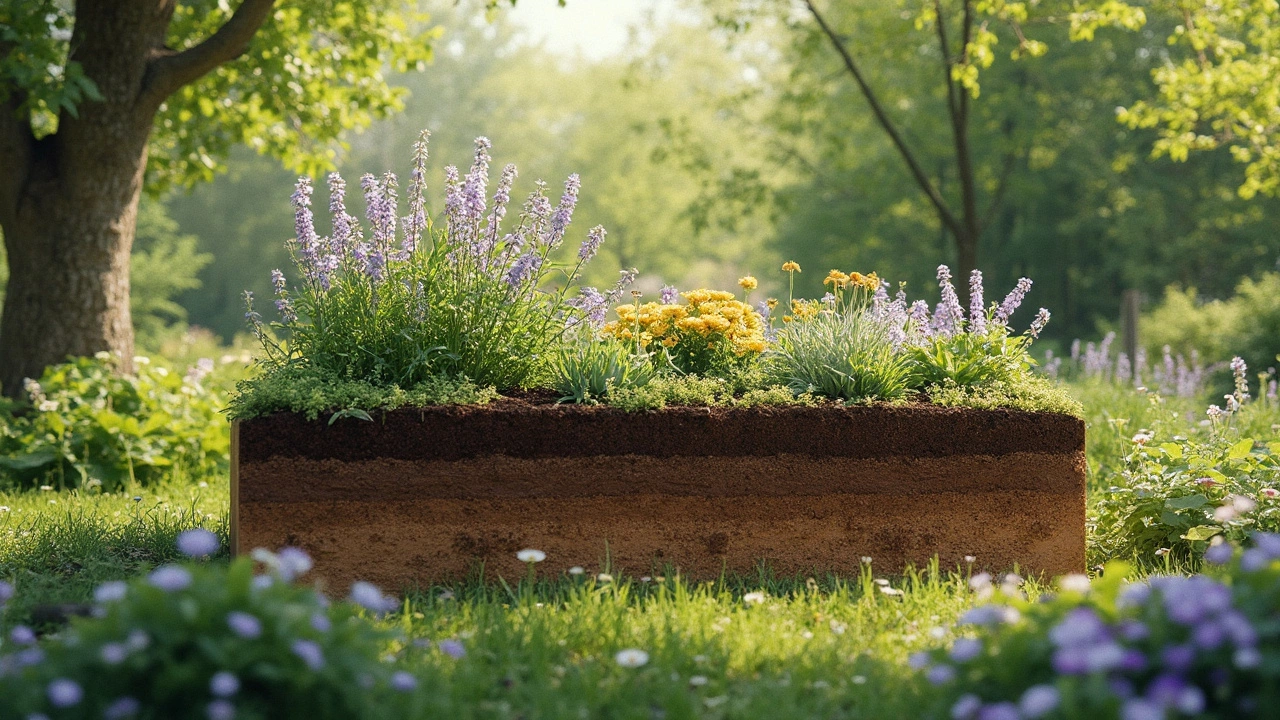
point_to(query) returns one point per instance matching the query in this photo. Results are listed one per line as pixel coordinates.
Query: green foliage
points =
(312, 71)
(971, 360)
(1218, 89)
(1029, 392)
(163, 265)
(1178, 493)
(843, 355)
(695, 391)
(310, 391)
(88, 426)
(307, 658)
(590, 370)
(1246, 324)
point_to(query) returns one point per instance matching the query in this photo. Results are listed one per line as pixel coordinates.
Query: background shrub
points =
(87, 425)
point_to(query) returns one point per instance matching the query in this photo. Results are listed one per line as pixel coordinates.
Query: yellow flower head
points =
(791, 266)
(835, 278)
(748, 283)
(772, 303)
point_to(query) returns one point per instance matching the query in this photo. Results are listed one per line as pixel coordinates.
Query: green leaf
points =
(1201, 532)
(29, 461)
(350, 413)
(1240, 449)
(1186, 502)
(1173, 450)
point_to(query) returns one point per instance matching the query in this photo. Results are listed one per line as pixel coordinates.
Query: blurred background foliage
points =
(711, 149)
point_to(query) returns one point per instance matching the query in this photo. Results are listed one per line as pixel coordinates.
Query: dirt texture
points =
(417, 497)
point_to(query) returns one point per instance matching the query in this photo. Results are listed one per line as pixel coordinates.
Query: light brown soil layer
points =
(418, 496)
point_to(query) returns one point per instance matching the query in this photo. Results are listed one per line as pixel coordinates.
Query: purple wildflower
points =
(1238, 372)
(762, 307)
(948, 316)
(220, 710)
(453, 203)
(113, 653)
(345, 228)
(292, 563)
(6, 592)
(121, 708)
(625, 278)
(452, 648)
(368, 596)
(564, 212)
(283, 305)
(64, 693)
(940, 674)
(320, 622)
(1038, 701)
(501, 197)
(170, 578)
(592, 304)
(224, 684)
(669, 294)
(244, 625)
(966, 707)
(1140, 709)
(416, 221)
(977, 310)
(402, 681)
(28, 657)
(198, 543)
(22, 635)
(523, 268)
(591, 245)
(966, 649)
(1042, 319)
(304, 227)
(1012, 301)
(138, 641)
(310, 653)
(999, 711)
(476, 184)
(918, 315)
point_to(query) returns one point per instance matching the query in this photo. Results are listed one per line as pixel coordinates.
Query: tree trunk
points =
(68, 248)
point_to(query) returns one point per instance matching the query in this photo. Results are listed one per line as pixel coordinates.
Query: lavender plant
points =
(1166, 647)
(979, 351)
(400, 301)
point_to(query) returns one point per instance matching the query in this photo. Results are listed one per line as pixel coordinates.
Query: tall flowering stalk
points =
(401, 300)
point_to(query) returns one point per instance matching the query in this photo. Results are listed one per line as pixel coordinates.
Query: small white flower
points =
(645, 579)
(102, 355)
(881, 582)
(1226, 513)
(1142, 438)
(529, 555)
(631, 658)
(970, 559)
(141, 360)
(753, 598)
(1162, 552)
(979, 581)
(576, 570)
(892, 592)
(1074, 582)
(859, 679)
(866, 559)
(604, 577)
(48, 406)
(46, 488)
(698, 680)
(1243, 504)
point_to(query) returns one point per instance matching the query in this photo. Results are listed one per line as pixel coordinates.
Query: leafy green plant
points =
(971, 359)
(410, 302)
(88, 426)
(206, 641)
(311, 391)
(590, 370)
(844, 355)
(1176, 494)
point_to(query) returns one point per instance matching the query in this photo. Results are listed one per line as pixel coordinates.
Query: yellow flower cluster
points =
(711, 316)
(839, 280)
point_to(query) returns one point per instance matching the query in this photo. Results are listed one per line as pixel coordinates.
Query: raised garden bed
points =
(429, 494)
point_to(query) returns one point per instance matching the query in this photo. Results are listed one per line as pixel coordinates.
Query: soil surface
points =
(524, 428)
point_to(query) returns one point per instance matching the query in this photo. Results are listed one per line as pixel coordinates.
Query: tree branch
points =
(17, 142)
(926, 185)
(946, 59)
(169, 70)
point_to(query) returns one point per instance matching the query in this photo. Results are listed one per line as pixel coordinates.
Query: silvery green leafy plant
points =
(403, 300)
(589, 370)
(844, 354)
(207, 641)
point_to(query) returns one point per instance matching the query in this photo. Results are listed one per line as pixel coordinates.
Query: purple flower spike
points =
(977, 310)
(1012, 301)
(198, 542)
(564, 212)
(1037, 325)
(591, 245)
(949, 315)
(224, 684)
(22, 635)
(452, 648)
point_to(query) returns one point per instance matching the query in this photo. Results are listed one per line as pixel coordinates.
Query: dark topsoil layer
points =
(532, 428)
